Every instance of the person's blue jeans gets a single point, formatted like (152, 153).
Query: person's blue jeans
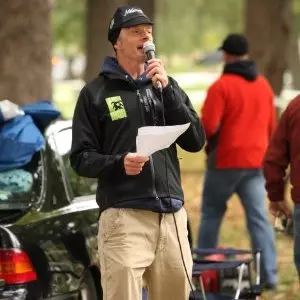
(219, 185)
(296, 222)
(144, 294)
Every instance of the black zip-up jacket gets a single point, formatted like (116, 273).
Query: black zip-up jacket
(108, 113)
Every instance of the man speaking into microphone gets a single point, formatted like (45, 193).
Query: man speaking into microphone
(139, 197)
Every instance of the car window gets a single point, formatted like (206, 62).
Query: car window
(80, 186)
(22, 186)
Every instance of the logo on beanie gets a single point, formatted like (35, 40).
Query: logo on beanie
(112, 22)
(132, 10)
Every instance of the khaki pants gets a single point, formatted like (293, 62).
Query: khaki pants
(138, 246)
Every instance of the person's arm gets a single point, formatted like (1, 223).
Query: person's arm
(177, 107)
(213, 110)
(86, 158)
(179, 110)
(276, 161)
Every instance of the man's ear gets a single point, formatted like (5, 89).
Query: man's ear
(117, 44)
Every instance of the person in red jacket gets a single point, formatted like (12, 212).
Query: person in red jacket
(284, 150)
(238, 116)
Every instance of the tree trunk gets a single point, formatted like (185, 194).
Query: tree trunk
(267, 28)
(294, 61)
(25, 52)
(98, 16)
(70, 60)
(148, 6)
(294, 53)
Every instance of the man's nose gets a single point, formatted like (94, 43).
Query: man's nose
(147, 37)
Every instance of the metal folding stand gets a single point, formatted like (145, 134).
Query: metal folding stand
(254, 290)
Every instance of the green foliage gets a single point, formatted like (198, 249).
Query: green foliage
(296, 6)
(196, 24)
(181, 26)
(68, 18)
(296, 12)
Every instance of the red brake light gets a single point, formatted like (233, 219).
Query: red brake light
(15, 267)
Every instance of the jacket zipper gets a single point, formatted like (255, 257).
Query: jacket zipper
(140, 106)
(151, 159)
(153, 179)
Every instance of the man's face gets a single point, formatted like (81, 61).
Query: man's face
(228, 58)
(130, 42)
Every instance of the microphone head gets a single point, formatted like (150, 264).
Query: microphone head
(148, 46)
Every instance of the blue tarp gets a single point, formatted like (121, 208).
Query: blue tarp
(21, 136)
(42, 113)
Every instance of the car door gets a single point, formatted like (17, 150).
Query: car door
(83, 211)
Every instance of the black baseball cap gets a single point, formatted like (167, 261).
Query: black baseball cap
(235, 44)
(124, 17)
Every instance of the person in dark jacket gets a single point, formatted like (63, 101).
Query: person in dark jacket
(139, 197)
(284, 150)
(238, 116)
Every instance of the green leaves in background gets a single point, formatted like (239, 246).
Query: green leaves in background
(68, 23)
(183, 27)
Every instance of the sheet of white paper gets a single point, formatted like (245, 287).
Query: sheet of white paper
(154, 138)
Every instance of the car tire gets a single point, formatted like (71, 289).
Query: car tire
(88, 290)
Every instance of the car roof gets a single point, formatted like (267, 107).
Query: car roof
(58, 126)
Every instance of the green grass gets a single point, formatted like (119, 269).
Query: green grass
(196, 87)
(190, 66)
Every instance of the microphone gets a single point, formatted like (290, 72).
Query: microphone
(149, 49)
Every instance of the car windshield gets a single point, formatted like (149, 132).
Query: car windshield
(60, 143)
(22, 186)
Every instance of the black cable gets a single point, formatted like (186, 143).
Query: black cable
(169, 194)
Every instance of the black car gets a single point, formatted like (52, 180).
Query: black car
(48, 235)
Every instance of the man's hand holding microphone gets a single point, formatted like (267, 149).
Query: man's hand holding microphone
(155, 68)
